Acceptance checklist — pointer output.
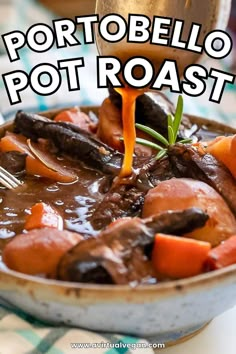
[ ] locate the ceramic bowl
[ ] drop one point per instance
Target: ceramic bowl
(161, 313)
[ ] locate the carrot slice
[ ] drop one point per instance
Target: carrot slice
(17, 142)
(75, 116)
(43, 215)
(14, 142)
(179, 257)
(50, 162)
(222, 255)
(223, 149)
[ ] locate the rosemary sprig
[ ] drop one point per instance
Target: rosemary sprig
(171, 134)
(173, 129)
(153, 133)
(178, 115)
(148, 143)
(161, 154)
(185, 141)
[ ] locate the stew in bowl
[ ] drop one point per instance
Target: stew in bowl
(76, 219)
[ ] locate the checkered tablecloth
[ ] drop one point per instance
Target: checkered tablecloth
(20, 333)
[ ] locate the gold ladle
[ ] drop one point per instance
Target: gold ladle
(211, 14)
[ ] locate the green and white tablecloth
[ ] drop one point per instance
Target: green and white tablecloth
(20, 333)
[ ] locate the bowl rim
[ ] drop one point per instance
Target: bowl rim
(206, 279)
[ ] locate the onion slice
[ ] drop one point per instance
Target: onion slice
(50, 161)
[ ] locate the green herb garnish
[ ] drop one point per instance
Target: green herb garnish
(173, 129)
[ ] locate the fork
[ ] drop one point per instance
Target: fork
(8, 180)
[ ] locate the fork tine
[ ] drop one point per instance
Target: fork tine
(5, 183)
(10, 176)
(8, 180)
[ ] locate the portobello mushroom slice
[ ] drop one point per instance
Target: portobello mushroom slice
(71, 140)
(119, 254)
(188, 162)
(123, 200)
(126, 198)
(148, 111)
(155, 172)
(13, 162)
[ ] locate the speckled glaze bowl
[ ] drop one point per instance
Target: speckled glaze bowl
(162, 313)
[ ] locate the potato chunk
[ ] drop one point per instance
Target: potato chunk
(39, 251)
(183, 193)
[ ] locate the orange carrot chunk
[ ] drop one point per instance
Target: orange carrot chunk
(223, 149)
(75, 116)
(43, 215)
(222, 255)
(17, 142)
(179, 257)
(14, 142)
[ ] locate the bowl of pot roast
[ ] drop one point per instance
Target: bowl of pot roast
(152, 254)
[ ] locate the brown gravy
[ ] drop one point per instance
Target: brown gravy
(75, 202)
